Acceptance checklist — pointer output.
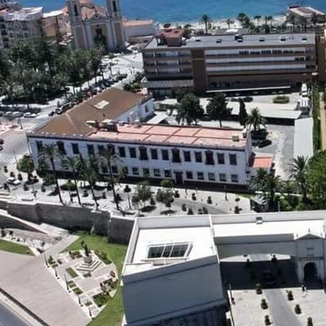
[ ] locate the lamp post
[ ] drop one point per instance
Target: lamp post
(45, 260)
(225, 193)
(81, 304)
(127, 190)
(56, 273)
(67, 286)
(90, 312)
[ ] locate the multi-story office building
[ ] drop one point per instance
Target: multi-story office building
(19, 24)
(183, 154)
(210, 63)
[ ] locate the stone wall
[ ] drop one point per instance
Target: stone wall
(118, 229)
(7, 222)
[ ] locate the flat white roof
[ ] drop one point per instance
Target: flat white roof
(297, 228)
(303, 142)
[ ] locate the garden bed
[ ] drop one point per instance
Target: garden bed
(101, 299)
(71, 272)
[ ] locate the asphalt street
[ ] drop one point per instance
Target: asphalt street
(8, 318)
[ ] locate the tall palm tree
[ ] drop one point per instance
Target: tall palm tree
(50, 153)
(228, 22)
(205, 19)
(88, 171)
(272, 184)
(255, 119)
(217, 109)
(258, 182)
(298, 170)
(73, 164)
(288, 188)
(110, 158)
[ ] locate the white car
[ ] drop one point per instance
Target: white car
(30, 115)
(17, 114)
(13, 181)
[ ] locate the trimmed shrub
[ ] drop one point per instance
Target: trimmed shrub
(264, 304)
(258, 288)
(267, 320)
(290, 296)
(184, 207)
(176, 194)
(281, 99)
(209, 200)
(152, 202)
(205, 210)
(297, 309)
(190, 211)
(309, 322)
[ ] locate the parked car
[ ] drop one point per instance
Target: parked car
(13, 181)
(17, 114)
(30, 115)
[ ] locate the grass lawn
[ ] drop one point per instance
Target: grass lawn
(113, 312)
(14, 247)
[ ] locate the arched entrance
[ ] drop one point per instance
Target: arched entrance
(310, 271)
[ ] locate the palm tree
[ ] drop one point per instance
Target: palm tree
(205, 19)
(258, 182)
(217, 109)
(272, 184)
(255, 119)
(299, 169)
(303, 23)
(288, 188)
(228, 22)
(50, 153)
(95, 59)
(110, 158)
(257, 18)
(88, 171)
(73, 164)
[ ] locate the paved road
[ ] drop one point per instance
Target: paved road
(8, 318)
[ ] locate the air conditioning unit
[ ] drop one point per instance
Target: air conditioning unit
(235, 137)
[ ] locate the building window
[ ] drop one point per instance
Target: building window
(61, 147)
(114, 6)
(132, 152)
(211, 176)
(209, 158)
(104, 169)
(111, 149)
(157, 173)
(143, 153)
(165, 155)
(200, 175)
(154, 154)
(114, 169)
(220, 158)
(176, 155)
(122, 152)
(146, 173)
(233, 159)
(187, 156)
(189, 175)
(90, 150)
(75, 148)
(234, 178)
(101, 150)
(198, 157)
(167, 173)
(39, 145)
(135, 171)
(222, 177)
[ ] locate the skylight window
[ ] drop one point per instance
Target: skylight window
(101, 105)
(177, 250)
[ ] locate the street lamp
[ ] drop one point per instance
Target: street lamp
(45, 260)
(56, 273)
(81, 304)
(225, 193)
(67, 286)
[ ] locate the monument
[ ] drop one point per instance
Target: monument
(89, 263)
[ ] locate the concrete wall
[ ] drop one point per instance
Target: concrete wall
(11, 223)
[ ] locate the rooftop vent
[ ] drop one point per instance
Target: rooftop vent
(304, 39)
(240, 40)
(101, 105)
(197, 39)
(259, 220)
(219, 40)
(262, 39)
(235, 137)
(238, 36)
(282, 38)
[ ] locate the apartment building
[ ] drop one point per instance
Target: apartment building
(228, 61)
(185, 155)
(19, 24)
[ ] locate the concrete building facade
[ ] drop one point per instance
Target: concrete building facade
(92, 24)
(228, 61)
(179, 257)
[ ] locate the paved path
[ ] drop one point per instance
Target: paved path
(44, 296)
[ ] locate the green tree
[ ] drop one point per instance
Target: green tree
(109, 158)
(26, 165)
(216, 108)
(165, 196)
(258, 182)
(205, 19)
(255, 119)
(189, 109)
(89, 172)
(143, 193)
(73, 164)
(50, 153)
(298, 170)
(95, 58)
(242, 112)
(229, 22)
(272, 184)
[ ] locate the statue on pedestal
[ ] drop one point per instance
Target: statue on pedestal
(84, 245)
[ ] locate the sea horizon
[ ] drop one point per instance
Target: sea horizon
(176, 10)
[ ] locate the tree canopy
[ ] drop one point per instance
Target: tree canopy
(255, 119)
(189, 109)
(216, 108)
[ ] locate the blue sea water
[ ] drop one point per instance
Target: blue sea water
(190, 10)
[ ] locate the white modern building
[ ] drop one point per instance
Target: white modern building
(140, 30)
(171, 274)
(184, 154)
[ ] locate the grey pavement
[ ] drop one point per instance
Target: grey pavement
(28, 280)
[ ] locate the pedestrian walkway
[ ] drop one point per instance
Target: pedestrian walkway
(44, 296)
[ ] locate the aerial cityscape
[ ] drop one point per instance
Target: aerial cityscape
(162, 166)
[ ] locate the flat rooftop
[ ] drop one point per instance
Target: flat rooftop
(228, 41)
(191, 136)
(297, 228)
(305, 11)
(262, 161)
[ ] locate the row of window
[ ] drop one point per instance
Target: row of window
(189, 175)
(142, 153)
